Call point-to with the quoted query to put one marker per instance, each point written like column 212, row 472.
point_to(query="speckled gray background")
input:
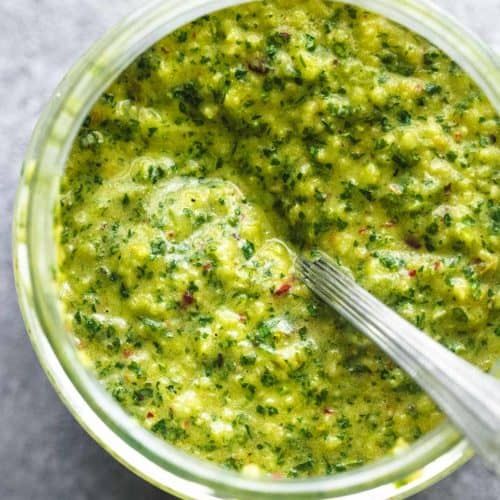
column 44, row 454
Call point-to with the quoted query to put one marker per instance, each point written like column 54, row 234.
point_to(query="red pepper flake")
column 412, row 242
column 285, row 35
column 458, row 136
column 363, row 230
column 328, row 411
column 283, row 289
column 258, row 66
column 207, row 266
column 243, row 318
column 150, row 414
column 187, row 299
column 127, row 353
column 412, row 273
column 170, row 234
column 437, row 265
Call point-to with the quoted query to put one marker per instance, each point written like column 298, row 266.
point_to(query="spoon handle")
column 469, row 397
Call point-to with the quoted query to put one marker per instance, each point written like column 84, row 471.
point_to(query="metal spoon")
column 469, row 397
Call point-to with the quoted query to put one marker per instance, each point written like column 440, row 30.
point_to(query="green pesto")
column 245, row 137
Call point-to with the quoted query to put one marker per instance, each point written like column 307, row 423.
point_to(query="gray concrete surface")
column 44, row 454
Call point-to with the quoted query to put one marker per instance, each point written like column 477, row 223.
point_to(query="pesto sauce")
column 240, row 139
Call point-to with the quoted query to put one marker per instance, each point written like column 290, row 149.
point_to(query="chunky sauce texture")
column 247, row 136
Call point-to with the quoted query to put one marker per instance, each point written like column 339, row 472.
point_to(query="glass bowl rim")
column 430, row 458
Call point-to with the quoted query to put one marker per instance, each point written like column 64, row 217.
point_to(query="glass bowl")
column 431, row 458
